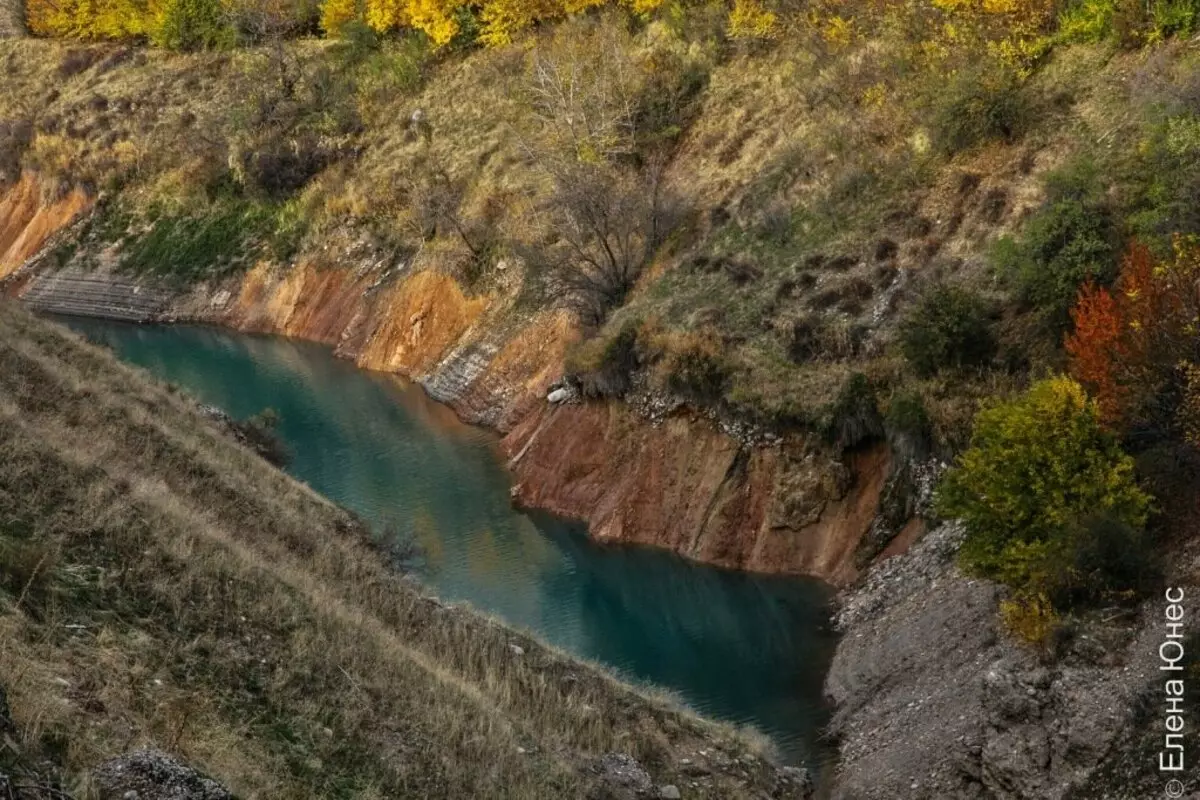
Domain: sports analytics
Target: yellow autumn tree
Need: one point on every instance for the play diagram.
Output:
(434, 17)
(638, 6)
(336, 13)
(90, 19)
(386, 15)
(503, 19)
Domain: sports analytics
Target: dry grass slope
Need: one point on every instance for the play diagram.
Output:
(160, 584)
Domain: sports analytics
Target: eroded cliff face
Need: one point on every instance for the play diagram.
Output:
(685, 486)
(678, 483)
(27, 221)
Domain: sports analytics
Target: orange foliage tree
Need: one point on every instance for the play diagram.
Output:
(1128, 344)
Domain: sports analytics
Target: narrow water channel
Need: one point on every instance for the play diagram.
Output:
(749, 649)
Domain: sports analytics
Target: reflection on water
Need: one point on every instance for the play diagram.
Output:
(749, 649)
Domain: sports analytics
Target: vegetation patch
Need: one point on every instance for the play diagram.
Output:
(1039, 471)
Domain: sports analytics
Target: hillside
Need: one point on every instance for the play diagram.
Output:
(162, 585)
(805, 201)
(794, 288)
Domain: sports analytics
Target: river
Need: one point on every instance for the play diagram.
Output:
(749, 649)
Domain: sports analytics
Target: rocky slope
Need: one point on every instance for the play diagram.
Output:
(934, 700)
(672, 480)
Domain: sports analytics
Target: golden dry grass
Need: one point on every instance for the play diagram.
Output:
(160, 584)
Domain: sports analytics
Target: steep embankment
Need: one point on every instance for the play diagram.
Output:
(680, 482)
(27, 221)
(162, 585)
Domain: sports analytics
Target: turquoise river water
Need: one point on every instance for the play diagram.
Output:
(749, 649)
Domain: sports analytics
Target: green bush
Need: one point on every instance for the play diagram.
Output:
(1165, 182)
(979, 104)
(1091, 21)
(194, 25)
(949, 329)
(1110, 560)
(1070, 240)
(1174, 17)
(908, 426)
(854, 418)
(1039, 466)
(1086, 21)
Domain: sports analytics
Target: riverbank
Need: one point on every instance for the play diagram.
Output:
(651, 473)
(744, 648)
(314, 670)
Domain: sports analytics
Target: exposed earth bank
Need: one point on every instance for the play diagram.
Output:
(653, 472)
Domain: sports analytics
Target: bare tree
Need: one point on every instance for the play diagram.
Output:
(588, 134)
(436, 202)
(583, 96)
(607, 222)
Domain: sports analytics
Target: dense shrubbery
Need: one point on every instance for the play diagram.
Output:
(1164, 178)
(949, 329)
(855, 418)
(1039, 470)
(177, 24)
(192, 25)
(1071, 240)
(1128, 22)
(980, 103)
(979, 106)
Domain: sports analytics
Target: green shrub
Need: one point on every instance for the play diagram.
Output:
(1086, 21)
(1039, 466)
(1165, 182)
(854, 418)
(194, 25)
(1173, 17)
(949, 329)
(908, 426)
(979, 104)
(1110, 560)
(1091, 21)
(1070, 240)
